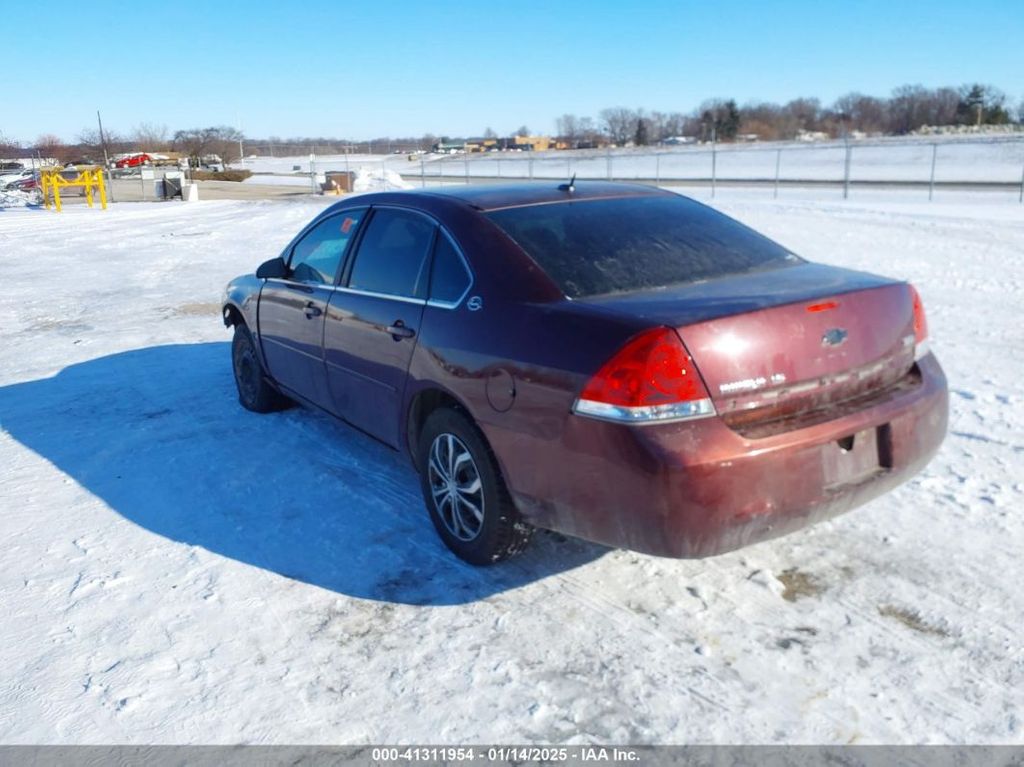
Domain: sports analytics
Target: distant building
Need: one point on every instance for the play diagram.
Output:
(449, 147)
(811, 135)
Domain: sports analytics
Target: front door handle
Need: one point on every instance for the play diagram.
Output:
(398, 331)
(312, 311)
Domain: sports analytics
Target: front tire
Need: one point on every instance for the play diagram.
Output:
(254, 393)
(464, 492)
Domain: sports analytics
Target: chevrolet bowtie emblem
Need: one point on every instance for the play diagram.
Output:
(833, 337)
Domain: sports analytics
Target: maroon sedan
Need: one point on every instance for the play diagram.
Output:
(611, 361)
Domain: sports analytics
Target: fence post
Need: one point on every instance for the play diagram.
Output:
(466, 160)
(384, 174)
(608, 162)
(423, 174)
(778, 165)
(714, 169)
(931, 179)
(530, 163)
(1022, 184)
(846, 171)
(657, 169)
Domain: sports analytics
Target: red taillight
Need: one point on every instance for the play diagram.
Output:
(920, 325)
(652, 378)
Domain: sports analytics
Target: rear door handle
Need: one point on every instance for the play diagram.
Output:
(398, 331)
(312, 310)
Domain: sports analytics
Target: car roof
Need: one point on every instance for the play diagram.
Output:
(494, 196)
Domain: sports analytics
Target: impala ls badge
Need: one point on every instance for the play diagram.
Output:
(834, 337)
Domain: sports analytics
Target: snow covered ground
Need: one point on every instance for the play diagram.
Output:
(178, 570)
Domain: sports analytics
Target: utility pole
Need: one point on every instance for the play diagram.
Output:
(106, 159)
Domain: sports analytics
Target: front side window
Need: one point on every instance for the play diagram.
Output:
(392, 255)
(317, 256)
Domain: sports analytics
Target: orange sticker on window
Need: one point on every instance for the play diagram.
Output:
(346, 225)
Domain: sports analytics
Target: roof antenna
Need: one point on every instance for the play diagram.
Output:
(570, 187)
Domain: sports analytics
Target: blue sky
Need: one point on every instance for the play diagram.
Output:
(363, 70)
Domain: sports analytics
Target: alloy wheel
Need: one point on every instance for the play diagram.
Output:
(456, 488)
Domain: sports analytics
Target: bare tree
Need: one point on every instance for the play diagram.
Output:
(150, 137)
(50, 147)
(589, 131)
(619, 123)
(864, 113)
(197, 142)
(90, 146)
(9, 148)
(944, 105)
(568, 128)
(907, 109)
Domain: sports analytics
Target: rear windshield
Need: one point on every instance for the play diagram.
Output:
(592, 247)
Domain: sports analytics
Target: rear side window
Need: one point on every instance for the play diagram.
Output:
(449, 279)
(592, 247)
(392, 255)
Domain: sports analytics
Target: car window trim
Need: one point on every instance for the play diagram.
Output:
(374, 294)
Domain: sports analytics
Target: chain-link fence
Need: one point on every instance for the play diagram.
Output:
(966, 164)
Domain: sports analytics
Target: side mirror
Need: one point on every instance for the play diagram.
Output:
(275, 268)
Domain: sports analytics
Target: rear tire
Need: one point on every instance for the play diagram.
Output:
(254, 393)
(464, 492)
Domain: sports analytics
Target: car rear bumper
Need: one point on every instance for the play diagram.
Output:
(699, 488)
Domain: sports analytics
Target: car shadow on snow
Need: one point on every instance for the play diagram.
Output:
(159, 436)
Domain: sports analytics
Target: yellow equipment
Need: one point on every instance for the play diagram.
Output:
(52, 180)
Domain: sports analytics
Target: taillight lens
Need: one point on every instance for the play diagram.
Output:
(652, 378)
(920, 325)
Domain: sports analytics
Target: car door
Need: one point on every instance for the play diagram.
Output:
(373, 320)
(292, 309)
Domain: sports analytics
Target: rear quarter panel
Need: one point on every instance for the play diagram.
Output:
(516, 368)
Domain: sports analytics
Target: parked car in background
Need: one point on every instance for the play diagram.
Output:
(212, 162)
(23, 185)
(15, 176)
(611, 361)
(133, 161)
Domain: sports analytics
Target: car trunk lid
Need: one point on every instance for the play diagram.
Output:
(785, 347)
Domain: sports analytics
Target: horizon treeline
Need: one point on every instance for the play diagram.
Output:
(909, 109)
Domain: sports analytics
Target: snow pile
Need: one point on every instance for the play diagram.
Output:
(179, 570)
(18, 199)
(370, 179)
